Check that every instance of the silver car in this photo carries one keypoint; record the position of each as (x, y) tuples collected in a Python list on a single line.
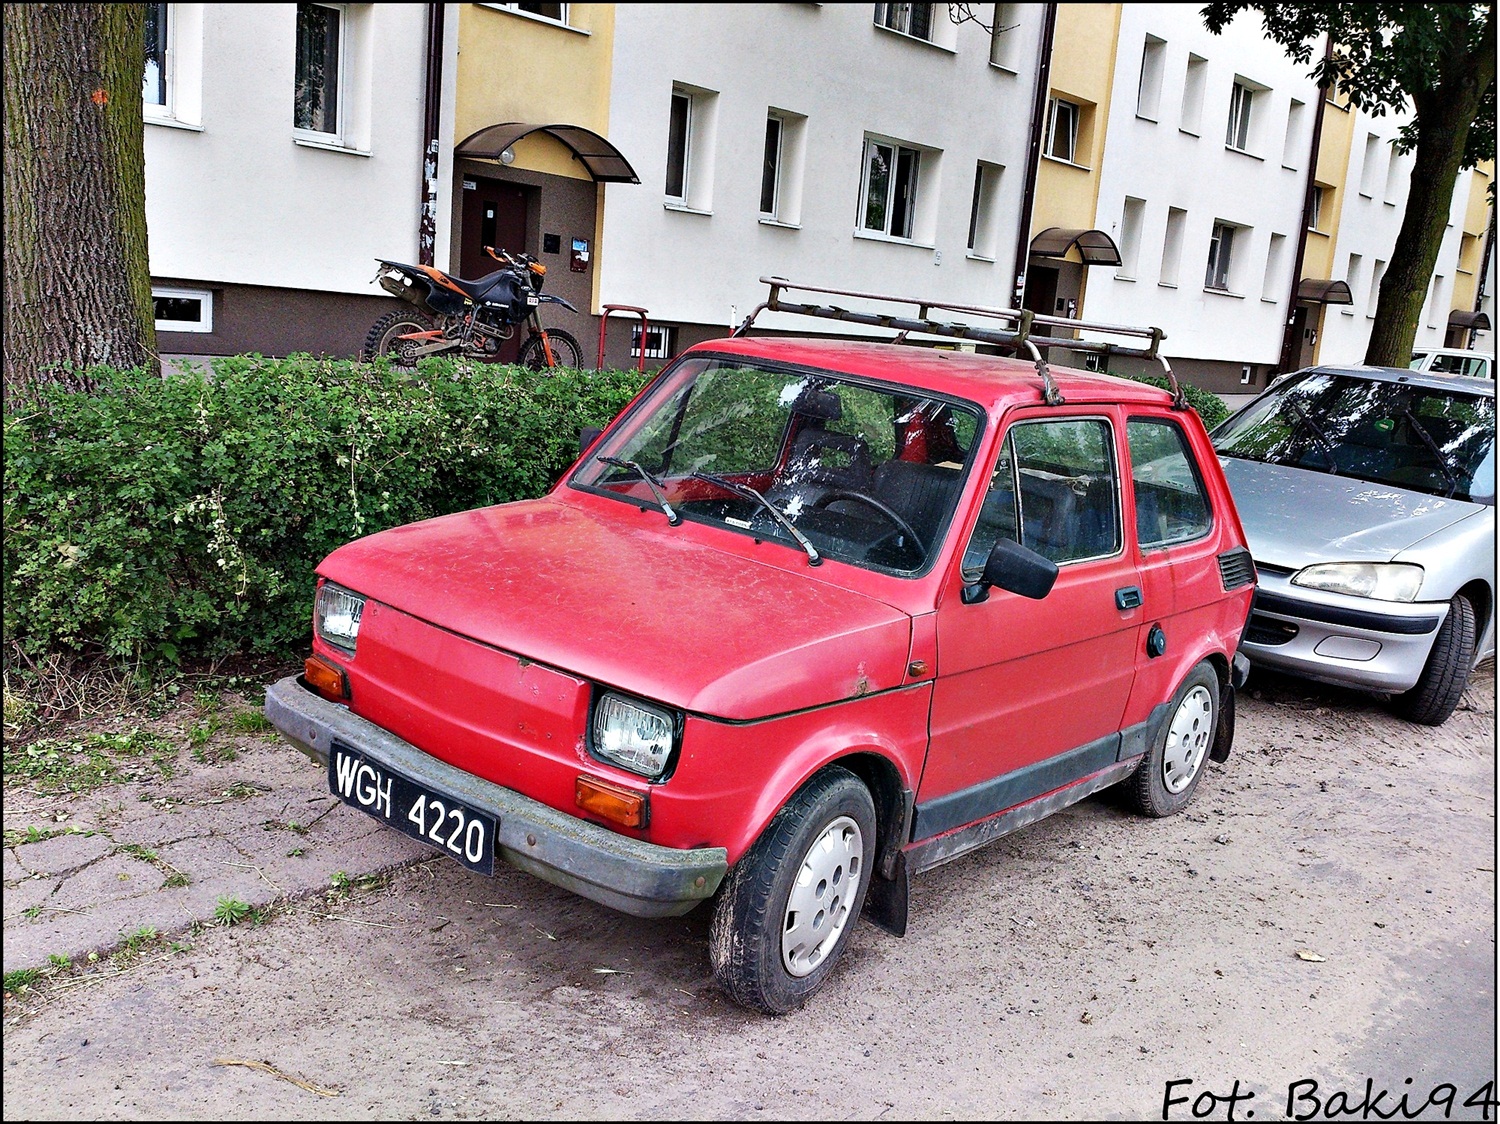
[(1368, 498)]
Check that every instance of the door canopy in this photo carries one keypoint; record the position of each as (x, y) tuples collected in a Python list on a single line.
[(603, 160), (1096, 247), (1316, 290)]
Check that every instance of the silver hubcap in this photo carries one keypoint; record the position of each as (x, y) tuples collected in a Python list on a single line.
[(1187, 739), (818, 907)]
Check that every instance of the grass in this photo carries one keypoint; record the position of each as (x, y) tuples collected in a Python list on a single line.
[(251, 722), (21, 979), (34, 834), (84, 763)]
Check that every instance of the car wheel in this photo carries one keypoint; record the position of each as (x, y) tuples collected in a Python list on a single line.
[(1169, 773), (1446, 675), (791, 902)]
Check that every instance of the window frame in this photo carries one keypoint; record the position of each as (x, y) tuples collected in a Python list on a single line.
[(1148, 86), (336, 136), (897, 150), (1049, 134), (887, 16), (679, 94), (205, 322), (1220, 256), (773, 167), (1241, 109), (163, 110)]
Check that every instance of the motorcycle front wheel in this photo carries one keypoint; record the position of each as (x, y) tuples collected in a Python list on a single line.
[(565, 351), (382, 338)]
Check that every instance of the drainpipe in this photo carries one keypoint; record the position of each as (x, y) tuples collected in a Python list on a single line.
[(1033, 155), (1484, 272), (431, 110), (1289, 332)]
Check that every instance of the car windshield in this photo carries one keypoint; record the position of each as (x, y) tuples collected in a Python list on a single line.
[(862, 472), (1440, 442)]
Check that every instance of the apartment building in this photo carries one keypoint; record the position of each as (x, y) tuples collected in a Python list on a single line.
[(873, 147)]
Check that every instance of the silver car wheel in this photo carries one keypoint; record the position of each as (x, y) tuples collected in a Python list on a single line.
[(818, 907), (1188, 736)]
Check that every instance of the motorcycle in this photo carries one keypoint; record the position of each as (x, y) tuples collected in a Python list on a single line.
[(471, 317)]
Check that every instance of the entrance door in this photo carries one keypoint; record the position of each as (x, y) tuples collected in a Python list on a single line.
[(494, 215), (1041, 290)]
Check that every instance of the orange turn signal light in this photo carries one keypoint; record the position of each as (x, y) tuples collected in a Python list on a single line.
[(326, 679), (613, 802), (538, 268)]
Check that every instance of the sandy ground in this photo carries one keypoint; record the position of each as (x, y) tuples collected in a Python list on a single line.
[(1071, 970)]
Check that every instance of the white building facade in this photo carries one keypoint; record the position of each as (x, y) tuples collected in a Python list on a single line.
[(857, 146)]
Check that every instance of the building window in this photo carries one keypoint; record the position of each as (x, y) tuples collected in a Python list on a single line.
[(1062, 130), (1192, 94), (1171, 246), (156, 78), (889, 191), (1148, 93), (1240, 100), (1272, 281), (984, 211), (1293, 141), (1352, 277), (1319, 198), (1005, 39), (1220, 250), (909, 19), (1367, 170), (770, 170), (318, 98), (679, 138), (183, 310), (1131, 219), (1376, 278), (557, 13), (658, 341)]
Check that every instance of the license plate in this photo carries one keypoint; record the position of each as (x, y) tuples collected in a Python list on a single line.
[(533, 299), (433, 817)]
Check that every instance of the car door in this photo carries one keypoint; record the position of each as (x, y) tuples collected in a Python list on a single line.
[(1030, 693)]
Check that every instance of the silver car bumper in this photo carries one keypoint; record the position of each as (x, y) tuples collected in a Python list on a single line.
[(1334, 638)]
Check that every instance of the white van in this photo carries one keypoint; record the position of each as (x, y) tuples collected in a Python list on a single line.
[(1454, 361)]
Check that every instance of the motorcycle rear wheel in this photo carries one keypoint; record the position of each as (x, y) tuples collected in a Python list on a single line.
[(565, 351), (382, 337)]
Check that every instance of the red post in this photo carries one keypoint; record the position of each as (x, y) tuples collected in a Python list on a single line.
[(604, 312)]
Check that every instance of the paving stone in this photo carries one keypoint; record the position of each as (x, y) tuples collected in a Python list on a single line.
[(61, 853), (110, 879)]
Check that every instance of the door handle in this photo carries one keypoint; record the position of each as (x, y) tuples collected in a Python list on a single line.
[(1128, 598)]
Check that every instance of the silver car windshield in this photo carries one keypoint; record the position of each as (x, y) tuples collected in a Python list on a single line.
[(865, 473), (1418, 438)]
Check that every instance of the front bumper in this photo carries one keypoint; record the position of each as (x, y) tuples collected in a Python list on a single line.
[(635, 877), (1335, 638)]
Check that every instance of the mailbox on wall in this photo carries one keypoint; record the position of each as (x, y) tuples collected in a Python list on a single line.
[(579, 260)]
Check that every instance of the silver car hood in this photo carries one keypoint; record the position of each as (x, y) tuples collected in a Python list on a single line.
[(1294, 517)]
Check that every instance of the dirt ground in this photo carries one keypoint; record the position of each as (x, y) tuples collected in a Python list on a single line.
[(1324, 912)]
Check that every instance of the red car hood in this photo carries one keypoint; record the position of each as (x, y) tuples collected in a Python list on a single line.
[(646, 610)]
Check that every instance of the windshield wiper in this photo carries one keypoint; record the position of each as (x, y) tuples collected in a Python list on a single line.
[(651, 482), (1318, 435), (1421, 431), (813, 557)]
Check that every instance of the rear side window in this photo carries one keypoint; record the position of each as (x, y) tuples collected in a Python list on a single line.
[(1054, 490), (1171, 505)]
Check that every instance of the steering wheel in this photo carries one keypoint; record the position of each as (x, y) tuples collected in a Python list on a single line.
[(873, 504)]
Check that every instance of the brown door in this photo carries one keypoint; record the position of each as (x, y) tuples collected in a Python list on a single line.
[(494, 215), (1041, 290)]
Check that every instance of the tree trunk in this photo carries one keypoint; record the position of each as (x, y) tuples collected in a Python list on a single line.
[(77, 279), (1444, 116)]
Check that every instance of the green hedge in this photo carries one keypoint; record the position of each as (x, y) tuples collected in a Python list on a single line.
[(1210, 406), (183, 516)]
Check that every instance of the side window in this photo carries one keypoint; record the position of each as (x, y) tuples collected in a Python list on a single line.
[(1054, 490), (1170, 503)]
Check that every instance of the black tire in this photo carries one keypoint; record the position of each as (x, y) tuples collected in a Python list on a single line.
[(1169, 773), (754, 919), (381, 338), (1446, 675), (565, 351)]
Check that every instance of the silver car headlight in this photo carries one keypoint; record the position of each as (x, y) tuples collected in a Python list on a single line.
[(336, 616), (633, 735), (1380, 581)]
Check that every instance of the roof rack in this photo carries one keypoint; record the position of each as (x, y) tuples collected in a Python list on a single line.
[(1021, 334)]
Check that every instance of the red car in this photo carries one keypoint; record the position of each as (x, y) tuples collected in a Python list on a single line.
[(809, 618)]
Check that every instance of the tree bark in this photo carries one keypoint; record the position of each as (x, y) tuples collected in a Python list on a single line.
[(77, 277), (1444, 116)]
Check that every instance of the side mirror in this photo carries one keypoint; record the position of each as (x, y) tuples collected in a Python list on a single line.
[(587, 435), (1015, 569)]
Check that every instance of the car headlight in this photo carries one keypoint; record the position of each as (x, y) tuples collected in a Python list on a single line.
[(1381, 581), (336, 616), (634, 736)]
